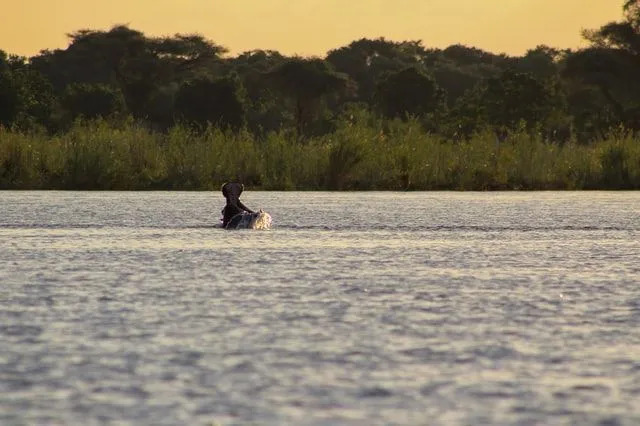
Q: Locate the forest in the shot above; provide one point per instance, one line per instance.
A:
(118, 110)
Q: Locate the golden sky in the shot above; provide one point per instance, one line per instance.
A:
(312, 27)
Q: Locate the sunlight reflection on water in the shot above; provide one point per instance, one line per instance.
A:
(466, 308)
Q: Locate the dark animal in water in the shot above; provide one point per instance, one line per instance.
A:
(232, 191)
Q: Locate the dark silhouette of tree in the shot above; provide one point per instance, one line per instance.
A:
(454, 81)
(616, 35)
(264, 104)
(632, 13)
(620, 35)
(129, 62)
(365, 61)
(9, 97)
(157, 80)
(592, 115)
(190, 51)
(614, 72)
(202, 101)
(612, 65)
(305, 82)
(26, 98)
(91, 100)
(541, 62)
(514, 97)
(465, 55)
(408, 92)
(458, 68)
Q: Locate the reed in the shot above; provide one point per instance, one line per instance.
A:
(362, 154)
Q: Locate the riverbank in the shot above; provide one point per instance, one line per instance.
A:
(357, 156)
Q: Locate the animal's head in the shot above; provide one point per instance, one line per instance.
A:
(232, 191)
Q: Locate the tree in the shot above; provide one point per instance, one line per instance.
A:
(466, 56)
(616, 35)
(365, 61)
(26, 97)
(408, 92)
(91, 100)
(513, 97)
(454, 81)
(130, 63)
(306, 82)
(614, 73)
(264, 104)
(612, 65)
(541, 62)
(188, 51)
(592, 114)
(458, 68)
(203, 100)
(9, 100)
(620, 35)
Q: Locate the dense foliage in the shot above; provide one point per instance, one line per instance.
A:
(118, 109)
(364, 152)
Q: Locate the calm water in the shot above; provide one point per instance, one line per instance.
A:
(466, 308)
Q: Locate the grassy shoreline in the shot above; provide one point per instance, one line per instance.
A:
(357, 156)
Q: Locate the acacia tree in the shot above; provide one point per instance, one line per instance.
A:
(120, 58)
(130, 63)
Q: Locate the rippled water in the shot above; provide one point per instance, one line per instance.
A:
(463, 308)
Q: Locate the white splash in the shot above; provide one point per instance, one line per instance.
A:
(244, 220)
(261, 220)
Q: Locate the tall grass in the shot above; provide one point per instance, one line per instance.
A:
(358, 155)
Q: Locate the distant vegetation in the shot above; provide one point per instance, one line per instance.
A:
(362, 152)
(119, 110)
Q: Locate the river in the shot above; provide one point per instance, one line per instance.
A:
(356, 308)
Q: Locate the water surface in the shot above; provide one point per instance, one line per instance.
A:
(465, 308)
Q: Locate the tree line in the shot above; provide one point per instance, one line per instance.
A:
(454, 91)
